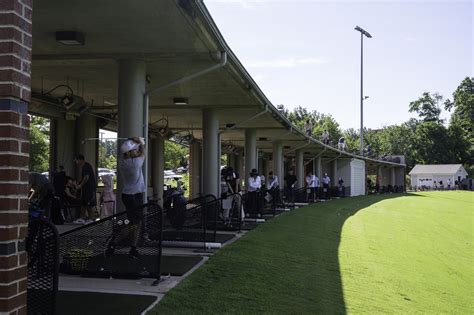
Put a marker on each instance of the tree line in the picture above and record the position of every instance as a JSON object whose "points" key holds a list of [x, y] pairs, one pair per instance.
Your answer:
{"points": [[427, 139]]}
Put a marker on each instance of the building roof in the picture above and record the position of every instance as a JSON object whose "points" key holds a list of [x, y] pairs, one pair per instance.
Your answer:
{"points": [[447, 169]]}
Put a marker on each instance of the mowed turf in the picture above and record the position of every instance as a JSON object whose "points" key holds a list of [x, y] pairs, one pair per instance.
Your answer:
{"points": [[398, 253]]}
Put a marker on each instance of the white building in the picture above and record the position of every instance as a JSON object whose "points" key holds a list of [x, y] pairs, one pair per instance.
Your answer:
{"points": [[428, 175]]}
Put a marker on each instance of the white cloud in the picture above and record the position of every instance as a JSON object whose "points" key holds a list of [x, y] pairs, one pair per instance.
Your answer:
{"points": [[285, 63]]}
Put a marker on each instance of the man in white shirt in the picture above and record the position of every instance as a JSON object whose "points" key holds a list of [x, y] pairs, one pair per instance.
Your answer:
{"points": [[312, 184], [273, 187], [254, 185], [326, 182], [130, 167]]}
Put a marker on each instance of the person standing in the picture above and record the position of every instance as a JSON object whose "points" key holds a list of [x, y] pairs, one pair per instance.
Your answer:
{"points": [[88, 187], [130, 167], [308, 127], [108, 197], [312, 183], [290, 182], [325, 137], [273, 187], [255, 184], [341, 188], [341, 145], [326, 182]]}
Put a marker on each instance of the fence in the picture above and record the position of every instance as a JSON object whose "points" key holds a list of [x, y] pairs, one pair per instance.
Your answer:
{"points": [[126, 244], [187, 222], [43, 267]]}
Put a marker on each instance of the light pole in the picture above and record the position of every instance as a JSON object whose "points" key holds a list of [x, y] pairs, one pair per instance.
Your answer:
{"points": [[362, 33]]}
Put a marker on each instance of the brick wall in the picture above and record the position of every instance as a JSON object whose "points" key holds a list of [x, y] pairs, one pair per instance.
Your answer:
{"points": [[15, 87]]}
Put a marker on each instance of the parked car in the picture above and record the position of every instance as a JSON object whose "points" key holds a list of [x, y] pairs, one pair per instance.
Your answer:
{"points": [[105, 171]]}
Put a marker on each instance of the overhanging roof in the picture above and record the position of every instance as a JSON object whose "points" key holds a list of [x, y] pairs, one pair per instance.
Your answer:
{"points": [[175, 38], [440, 169]]}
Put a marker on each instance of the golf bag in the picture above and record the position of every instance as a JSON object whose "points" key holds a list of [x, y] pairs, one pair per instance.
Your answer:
{"points": [[175, 205]]}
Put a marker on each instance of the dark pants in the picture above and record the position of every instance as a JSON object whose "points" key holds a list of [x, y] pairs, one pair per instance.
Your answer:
{"points": [[290, 195], [326, 191], [311, 194], [253, 202], [133, 202], [275, 193], [131, 232]]}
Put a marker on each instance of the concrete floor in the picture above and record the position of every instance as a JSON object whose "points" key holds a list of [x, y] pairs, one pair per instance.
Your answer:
{"points": [[144, 286]]}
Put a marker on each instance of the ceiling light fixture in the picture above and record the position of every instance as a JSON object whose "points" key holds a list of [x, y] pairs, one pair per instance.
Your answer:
{"points": [[180, 101], [70, 38]]}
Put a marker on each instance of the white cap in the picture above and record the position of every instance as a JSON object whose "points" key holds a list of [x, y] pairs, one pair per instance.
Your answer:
{"points": [[129, 145]]}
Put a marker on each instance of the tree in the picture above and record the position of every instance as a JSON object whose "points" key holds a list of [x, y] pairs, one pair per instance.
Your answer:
{"points": [[352, 140], [427, 107], [431, 144], [108, 154], [321, 122], [175, 155], [39, 144], [463, 104]]}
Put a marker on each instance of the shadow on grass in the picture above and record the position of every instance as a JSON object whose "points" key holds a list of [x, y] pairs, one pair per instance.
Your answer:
{"points": [[288, 265]]}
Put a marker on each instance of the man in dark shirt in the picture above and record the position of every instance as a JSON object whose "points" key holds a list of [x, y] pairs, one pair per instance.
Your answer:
{"points": [[88, 188], [290, 182]]}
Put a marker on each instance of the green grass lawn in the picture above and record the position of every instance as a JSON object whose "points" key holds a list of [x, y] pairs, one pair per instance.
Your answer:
{"points": [[400, 253]]}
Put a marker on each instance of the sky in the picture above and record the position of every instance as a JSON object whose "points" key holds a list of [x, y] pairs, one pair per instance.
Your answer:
{"points": [[307, 53]]}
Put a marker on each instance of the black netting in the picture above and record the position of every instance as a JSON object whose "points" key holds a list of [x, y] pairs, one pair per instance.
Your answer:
{"points": [[127, 244], [42, 249], [300, 195], [254, 203], [191, 221]]}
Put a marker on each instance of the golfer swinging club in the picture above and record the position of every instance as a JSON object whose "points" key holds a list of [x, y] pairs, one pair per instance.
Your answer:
{"points": [[130, 166]]}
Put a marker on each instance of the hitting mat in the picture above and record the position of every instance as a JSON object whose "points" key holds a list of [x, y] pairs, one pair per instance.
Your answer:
{"points": [[93, 303], [190, 236], [124, 266]]}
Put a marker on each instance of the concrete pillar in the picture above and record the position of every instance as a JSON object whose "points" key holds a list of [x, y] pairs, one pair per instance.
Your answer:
{"points": [[239, 166], [86, 127], [65, 148], [15, 82], [278, 160], [250, 150], [334, 176], [379, 176], [299, 161], [210, 147], [319, 168], [195, 169], [392, 176], [260, 163], [231, 160], [131, 88], [158, 167], [265, 168]]}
